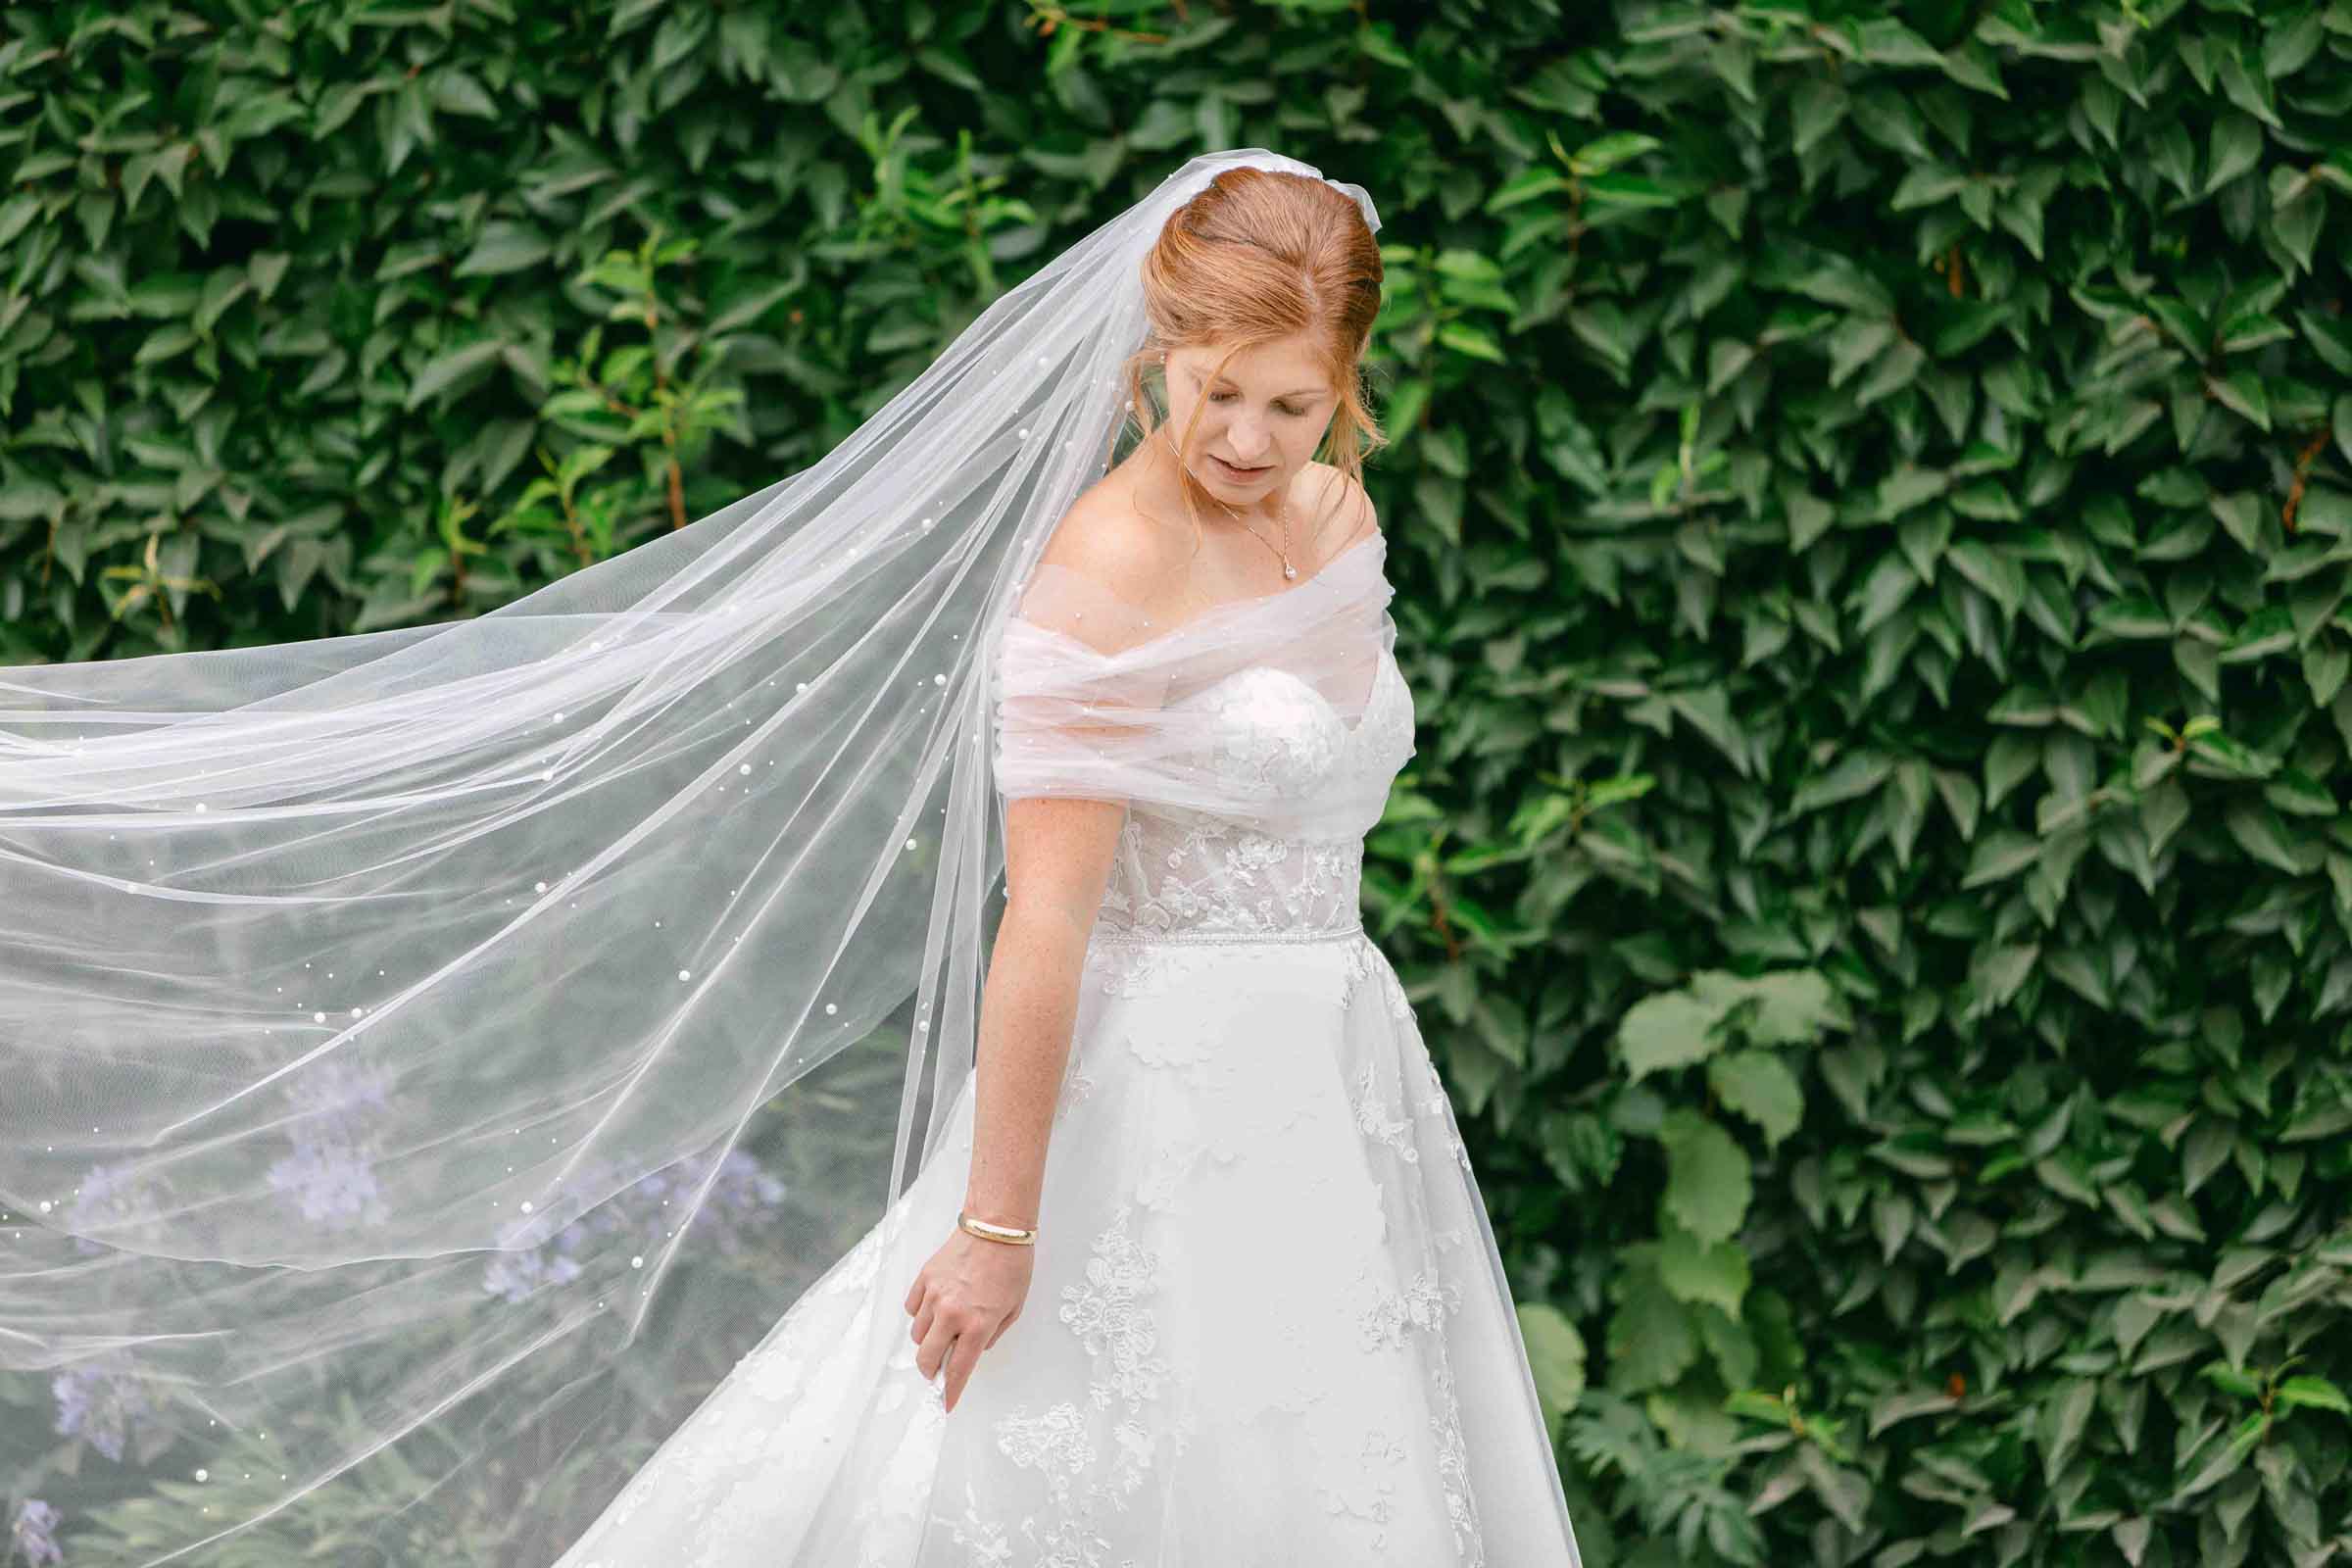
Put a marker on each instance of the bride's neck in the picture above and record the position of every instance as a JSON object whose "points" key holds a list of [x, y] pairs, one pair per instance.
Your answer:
{"points": [[1159, 484]]}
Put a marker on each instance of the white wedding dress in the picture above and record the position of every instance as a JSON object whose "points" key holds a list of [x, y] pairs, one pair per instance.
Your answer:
{"points": [[1269, 1323]]}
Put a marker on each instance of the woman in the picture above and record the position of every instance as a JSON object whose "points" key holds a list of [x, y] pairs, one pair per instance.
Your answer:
{"points": [[1270, 1320]]}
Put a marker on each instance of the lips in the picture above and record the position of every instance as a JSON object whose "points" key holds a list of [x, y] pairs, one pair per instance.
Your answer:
{"points": [[1235, 471]]}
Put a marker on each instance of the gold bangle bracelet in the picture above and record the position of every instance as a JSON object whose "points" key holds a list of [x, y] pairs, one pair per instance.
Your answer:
{"points": [[1008, 1234]]}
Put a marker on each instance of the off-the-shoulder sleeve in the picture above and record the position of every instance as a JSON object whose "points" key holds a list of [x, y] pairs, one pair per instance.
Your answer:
{"points": [[1077, 692], [1244, 709]]}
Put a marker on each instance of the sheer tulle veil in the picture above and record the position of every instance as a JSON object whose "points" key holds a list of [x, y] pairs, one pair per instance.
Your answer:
{"points": [[435, 1054]]}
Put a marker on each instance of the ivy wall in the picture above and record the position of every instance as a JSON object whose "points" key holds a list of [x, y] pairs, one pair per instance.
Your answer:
{"points": [[1870, 510]]}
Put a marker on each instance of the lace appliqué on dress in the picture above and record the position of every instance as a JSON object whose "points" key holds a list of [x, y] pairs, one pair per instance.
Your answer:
{"points": [[1281, 736], [1365, 961], [1206, 874], [1209, 876], [1055, 1443], [1422, 1303], [1434, 1106], [1110, 1316], [1076, 1083], [1454, 1470], [1107, 1316], [1373, 1120], [1370, 1494], [1129, 969]]}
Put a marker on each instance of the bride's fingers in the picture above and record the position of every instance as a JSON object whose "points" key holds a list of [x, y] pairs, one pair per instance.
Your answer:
{"points": [[933, 1351], [960, 1362], [922, 1323], [914, 1295]]}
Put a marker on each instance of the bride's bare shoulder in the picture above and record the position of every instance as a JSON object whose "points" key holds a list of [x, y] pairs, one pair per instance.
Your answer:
{"points": [[1104, 539], [1340, 512]]}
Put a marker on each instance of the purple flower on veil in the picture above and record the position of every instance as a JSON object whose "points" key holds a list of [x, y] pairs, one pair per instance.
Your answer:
{"points": [[106, 1194], [34, 1532], [102, 1402], [742, 1187], [330, 1174], [643, 1211], [512, 1276]]}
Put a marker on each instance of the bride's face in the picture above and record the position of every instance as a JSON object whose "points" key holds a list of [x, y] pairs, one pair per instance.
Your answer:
{"points": [[1261, 421]]}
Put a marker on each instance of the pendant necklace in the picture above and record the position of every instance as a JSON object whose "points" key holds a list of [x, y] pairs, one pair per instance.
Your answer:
{"points": [[1284, 554], [1288, 571]]}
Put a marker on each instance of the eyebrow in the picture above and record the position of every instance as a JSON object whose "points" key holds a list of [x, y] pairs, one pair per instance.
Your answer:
{"points": [[1302, 392]]}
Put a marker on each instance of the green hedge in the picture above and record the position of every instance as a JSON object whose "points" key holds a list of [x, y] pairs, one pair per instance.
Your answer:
{"points": [[1871, 509]]}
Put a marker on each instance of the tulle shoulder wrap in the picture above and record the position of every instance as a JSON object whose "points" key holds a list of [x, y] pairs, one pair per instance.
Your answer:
{"points": [[1094, 702]]}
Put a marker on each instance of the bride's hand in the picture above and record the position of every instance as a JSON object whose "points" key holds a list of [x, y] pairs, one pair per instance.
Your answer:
{"points": [[962, 1301]]}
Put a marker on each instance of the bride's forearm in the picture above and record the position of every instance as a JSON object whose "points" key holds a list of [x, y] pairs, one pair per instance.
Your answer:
{"points": [[1028, 1010]]}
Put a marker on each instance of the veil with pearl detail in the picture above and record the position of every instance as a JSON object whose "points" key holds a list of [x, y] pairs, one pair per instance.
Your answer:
{"points": [[433, 1054]]}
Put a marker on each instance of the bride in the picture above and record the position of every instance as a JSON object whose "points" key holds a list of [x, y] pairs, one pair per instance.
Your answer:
{"points": [[1270, 1325], [1189, 1265]]}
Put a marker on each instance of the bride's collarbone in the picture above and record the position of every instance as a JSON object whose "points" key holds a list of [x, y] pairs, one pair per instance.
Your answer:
{"points": [[1230, 569], [1192, 573]]}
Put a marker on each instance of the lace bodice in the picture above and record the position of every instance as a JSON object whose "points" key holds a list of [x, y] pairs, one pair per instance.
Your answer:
{"points": [[1192, 874], [1254, 743]]}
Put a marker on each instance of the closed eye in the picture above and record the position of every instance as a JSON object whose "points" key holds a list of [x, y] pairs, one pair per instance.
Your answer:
{"points": [[1278, 407]]}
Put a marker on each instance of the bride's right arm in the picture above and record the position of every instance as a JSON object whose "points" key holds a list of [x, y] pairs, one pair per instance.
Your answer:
{"points": [[1094, 588], [971, 1290], [1058, 862], [1066, 704]]}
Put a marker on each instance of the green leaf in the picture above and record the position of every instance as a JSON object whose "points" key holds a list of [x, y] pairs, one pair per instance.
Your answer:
{"points": [[1844, 1493], [2241, 513], [2063, 1417], [2313, 1394], [1606, 152], [1670, 1030], [2163, 809], [2131, 618], [1477, 342], [505, 247], [2268, 630], [1997, 973], [1816, 107], [2224, 1459], [2231, 1380], [1525, 187], [1653, 1338], [1695, 1271], [1632, 191], [2260, 833], [1904, 1405], [1784, 1008], [1855, 774], [1999, 855], [2236, 148], [452, 367], [2296, 221], [2243, 393], [1884, 41], [1707, 1181], [1556, 1355], [1995, 574], [1758, 1085]]}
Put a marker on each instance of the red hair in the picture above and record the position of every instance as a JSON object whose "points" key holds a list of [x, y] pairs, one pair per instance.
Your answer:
{"points": [[1259, 256]]}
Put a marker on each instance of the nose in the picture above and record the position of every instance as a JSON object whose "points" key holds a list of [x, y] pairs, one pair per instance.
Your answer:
{"points": [[1247, 439]]}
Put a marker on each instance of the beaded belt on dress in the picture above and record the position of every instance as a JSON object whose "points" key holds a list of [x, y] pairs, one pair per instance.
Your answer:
{"points": [[1243, 939]]}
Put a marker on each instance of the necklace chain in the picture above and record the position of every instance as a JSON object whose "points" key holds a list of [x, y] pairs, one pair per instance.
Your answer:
{"points": [[1281, 554]]}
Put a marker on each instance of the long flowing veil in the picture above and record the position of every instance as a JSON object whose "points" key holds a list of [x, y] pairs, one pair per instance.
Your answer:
{"points": [[394, 1134]]}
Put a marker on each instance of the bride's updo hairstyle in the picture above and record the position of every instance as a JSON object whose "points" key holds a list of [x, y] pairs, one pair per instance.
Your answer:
{"points": [[1260, 255]]}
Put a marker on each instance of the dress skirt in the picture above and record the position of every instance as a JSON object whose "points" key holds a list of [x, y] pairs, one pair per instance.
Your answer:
{"points": [[1268, 1325]]}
